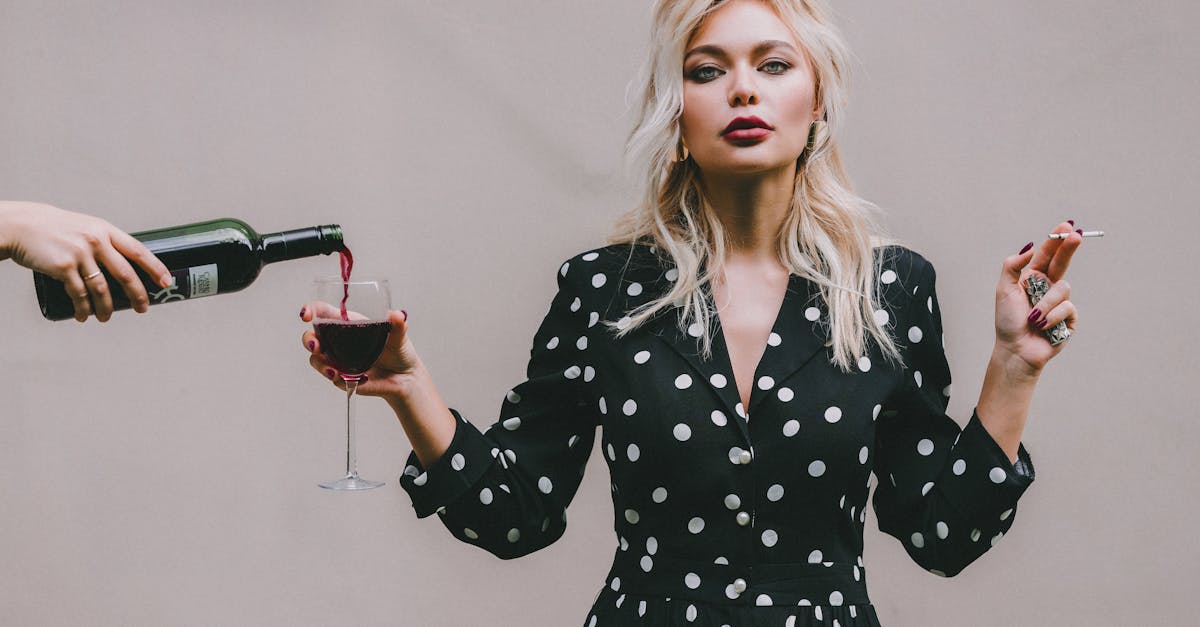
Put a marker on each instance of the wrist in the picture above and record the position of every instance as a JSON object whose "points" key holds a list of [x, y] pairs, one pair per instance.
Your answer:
{"points": [[405, 390], [1012, 366]]}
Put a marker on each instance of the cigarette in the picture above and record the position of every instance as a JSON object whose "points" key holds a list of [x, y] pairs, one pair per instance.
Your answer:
{"points": [[1084, 234]]}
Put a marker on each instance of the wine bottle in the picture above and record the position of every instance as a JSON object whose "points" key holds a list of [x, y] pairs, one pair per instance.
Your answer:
{"points": [[205, 259]]}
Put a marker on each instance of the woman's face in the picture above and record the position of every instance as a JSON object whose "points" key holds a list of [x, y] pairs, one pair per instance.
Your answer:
{"points": [[742, 63]]}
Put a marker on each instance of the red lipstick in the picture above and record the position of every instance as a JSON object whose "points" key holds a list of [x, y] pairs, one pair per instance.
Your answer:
{"points": [[742, 128]]}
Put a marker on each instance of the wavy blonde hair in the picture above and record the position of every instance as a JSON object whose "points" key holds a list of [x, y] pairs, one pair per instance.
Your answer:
{"points": [[830, 233]]}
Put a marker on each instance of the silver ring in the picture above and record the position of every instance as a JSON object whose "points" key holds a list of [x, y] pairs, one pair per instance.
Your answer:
{"points": [[92, 276]]}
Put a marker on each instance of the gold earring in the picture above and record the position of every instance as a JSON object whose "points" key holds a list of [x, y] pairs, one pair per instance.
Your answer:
{"points": [[681, 152]]}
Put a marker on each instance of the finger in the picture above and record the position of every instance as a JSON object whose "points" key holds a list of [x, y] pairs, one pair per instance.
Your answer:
{"points": [[1058, 293], [399, 320], [309, 340], [1062, 311], [320, 309], [1045, 252], [79, 295], [139, 254], [119, 269], [97, 287], [323, 367], [1062, 256], [1014, 264]]}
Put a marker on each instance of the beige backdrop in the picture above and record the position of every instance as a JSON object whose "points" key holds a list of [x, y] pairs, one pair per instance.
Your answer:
{"points": [[162, 469]]}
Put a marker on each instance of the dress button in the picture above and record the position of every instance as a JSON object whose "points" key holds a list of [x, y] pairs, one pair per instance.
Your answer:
{"points": [[744, 457], [739, 585], [743, 518]]}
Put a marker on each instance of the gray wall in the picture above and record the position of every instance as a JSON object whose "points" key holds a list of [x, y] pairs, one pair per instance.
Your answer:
{"points": [[162, 469]]}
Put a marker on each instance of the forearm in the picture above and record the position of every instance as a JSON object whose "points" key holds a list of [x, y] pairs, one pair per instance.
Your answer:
{"points": [[7, 228], [426, 419], [1004, 402]]}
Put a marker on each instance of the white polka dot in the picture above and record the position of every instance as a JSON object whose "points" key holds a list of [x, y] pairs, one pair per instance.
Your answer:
{"points": [[975, 535], [485, 496], [719, 418], [815, 557], [769, 538], [513, 397], [774, 340], [647, 564], [682, 432], [862, 455], [864, 363], [875, 412], [598, 280], [997, 475], [732, 502], [545, 485], [563, 269], [421, 479], [634, 289], [1006, 514], [835, 598], [741, 411], [785, 394], [996, 538], [696, 525], [615, 584], [576, 304], [926, 488], [612, 453], [960, 466], [412, 471], [762, 600], [833, 414], [937, 572], [691, 613], [817, 612], [683, 381], [816, 468], [593, 318], [512, 424], [470, 533], [581, 343], [589, 373], [914, 334], [651, 545], [620, 600], [929, 304], [695, 329], [672, 274], [458, 462], [633, 452], [943, 530], [946, 391], [775, 492], [573, 372], [717, 380], [721, 560], [552, 344], [642, 357], [629, 407], [765, 383], [692, 580], [730, 592], [603, 406], [572, 440], [659, 495], [812, 313], [791, 427], [925, 447], [918, 540], [917, 377], [632, 516], [882, 317], [514, 535], [888, 277], [641, 609], [590, 256]]}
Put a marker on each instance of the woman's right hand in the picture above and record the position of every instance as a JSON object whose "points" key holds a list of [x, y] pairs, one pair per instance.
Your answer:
{"points": [[392, 375]]}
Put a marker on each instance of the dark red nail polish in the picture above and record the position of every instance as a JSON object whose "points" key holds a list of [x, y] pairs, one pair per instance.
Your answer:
{"points": [[1026, 248], [405, 314], [1042, 323], [329, 373], [1034, 315], [1079, 231], [302, 311], [362, 378], [311, 345]]}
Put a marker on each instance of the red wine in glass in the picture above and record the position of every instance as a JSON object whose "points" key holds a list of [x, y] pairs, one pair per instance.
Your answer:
{"points": [[352, 345]]}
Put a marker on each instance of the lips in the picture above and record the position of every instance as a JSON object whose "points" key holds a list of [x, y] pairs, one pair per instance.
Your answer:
{"points": [[744, 123]]}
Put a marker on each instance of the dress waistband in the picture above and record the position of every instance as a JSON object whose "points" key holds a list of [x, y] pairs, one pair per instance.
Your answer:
{"points": [[826, 583]]}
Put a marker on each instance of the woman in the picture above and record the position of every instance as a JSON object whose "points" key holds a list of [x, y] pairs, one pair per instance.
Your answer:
{"points": [[71, 247], [804, 354]]}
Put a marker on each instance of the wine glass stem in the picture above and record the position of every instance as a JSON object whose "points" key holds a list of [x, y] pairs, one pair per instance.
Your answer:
{"points": [[351, 446]]}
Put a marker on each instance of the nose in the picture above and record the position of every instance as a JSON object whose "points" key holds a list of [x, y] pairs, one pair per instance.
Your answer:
{"points": [[743, 89]]}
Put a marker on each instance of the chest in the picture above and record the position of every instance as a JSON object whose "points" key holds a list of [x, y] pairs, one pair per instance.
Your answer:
{"points": [[748, 311]]}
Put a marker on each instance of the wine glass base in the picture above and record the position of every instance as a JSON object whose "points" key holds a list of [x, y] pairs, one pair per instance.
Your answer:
{"points": [[351, 483]]}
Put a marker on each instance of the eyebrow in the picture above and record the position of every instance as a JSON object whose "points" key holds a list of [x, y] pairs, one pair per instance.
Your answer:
{"points": [[717, 51]]}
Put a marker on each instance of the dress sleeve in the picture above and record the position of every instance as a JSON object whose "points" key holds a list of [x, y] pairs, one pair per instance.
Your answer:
{"points": [[506, 490], [947, 494]]}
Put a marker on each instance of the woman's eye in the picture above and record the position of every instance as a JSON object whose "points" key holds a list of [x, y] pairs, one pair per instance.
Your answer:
{"points": [[775, 67], [705, 73]]}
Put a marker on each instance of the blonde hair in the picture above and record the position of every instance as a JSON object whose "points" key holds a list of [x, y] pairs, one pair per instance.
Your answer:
{"points": [[830, 233]]}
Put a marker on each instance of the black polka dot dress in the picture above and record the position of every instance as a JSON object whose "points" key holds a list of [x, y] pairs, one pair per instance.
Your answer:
{"points": [[724, 514]]}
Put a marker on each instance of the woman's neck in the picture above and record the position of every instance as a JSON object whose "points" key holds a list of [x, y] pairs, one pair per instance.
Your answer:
{"points": [[752, 210]]}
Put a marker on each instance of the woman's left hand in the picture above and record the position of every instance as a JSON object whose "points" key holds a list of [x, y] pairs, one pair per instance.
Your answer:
{"points": [[1019, 330]]}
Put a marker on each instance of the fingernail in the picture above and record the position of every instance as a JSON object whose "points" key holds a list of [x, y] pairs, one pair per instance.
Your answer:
{"points": [[1071, 222], [1034, 315], [311, 345], [362, 378], [405, 314], [1079, 231], [1026, 248], [329, 373], [1042, 323], [303, 310]]}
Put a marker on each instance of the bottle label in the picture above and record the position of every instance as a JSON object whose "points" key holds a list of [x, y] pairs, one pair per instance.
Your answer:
{"points": [[193, 282]]}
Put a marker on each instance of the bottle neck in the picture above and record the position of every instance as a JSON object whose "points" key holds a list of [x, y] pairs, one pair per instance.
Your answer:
{"points": [[315, 240]]}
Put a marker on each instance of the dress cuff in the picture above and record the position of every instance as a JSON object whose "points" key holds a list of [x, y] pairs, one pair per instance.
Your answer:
{"points": [[980, 480], [462, 465]]}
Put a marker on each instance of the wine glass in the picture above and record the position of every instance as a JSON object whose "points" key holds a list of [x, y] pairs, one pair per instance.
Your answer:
{"points": [[351, 324]]}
